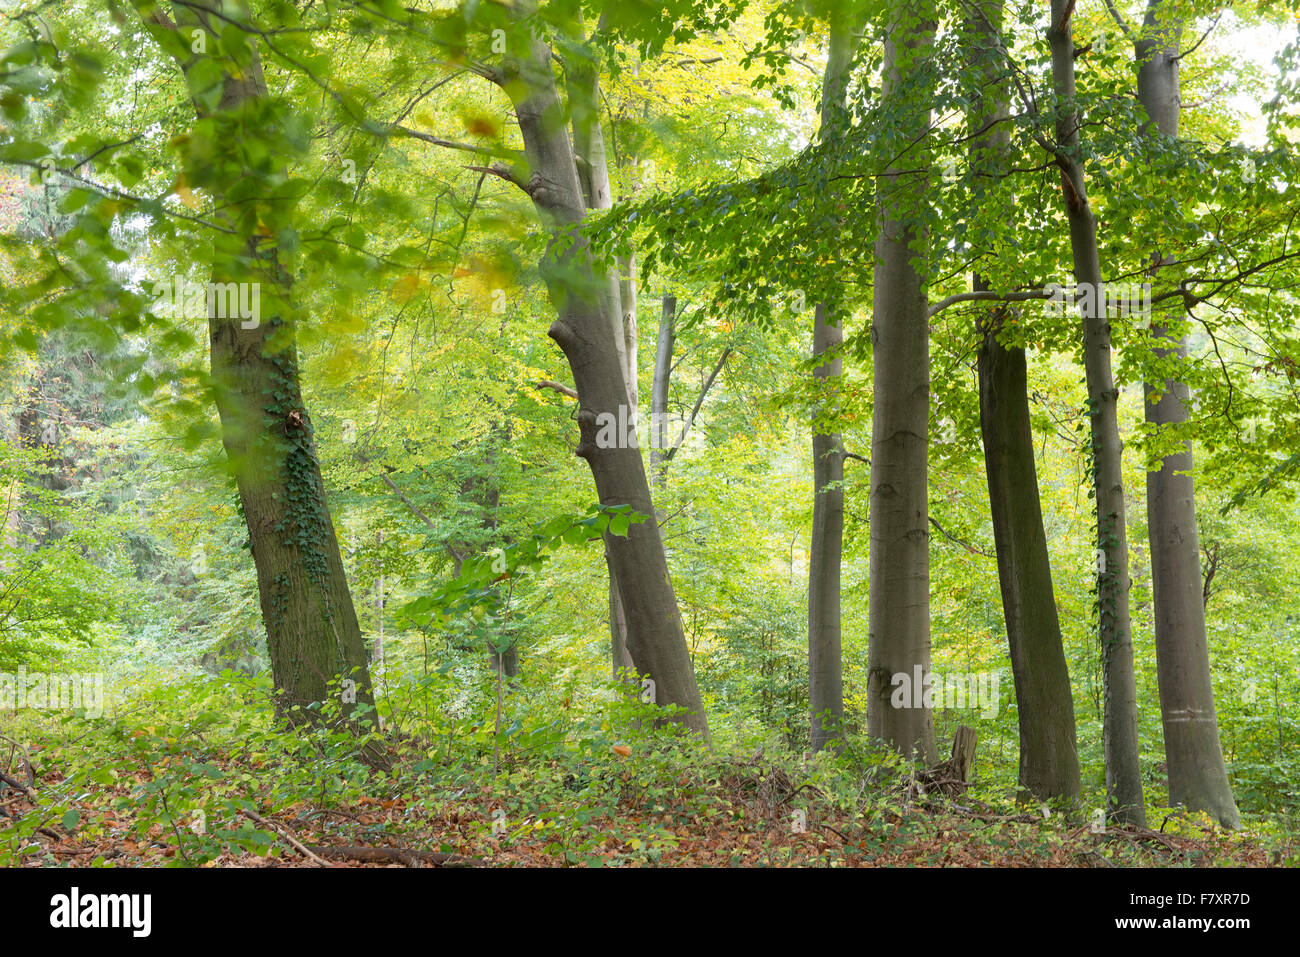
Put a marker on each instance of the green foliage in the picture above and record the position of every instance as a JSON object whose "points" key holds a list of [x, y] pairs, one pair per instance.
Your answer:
{"points": [[409, 302]]}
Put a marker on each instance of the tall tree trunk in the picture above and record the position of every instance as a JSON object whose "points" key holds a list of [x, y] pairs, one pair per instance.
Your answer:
{"points": [[665, 342], [312, 631], [378, 656], [899, 619], [13, 504], [620, 659], [1198, 778], [659, 437], [591, 338], [825, 675], [825, 670], [1119, 722], [583, 87], [1049, 760]]}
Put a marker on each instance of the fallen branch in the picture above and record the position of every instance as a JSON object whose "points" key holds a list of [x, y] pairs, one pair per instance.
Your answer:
{"points": [[18, 785], [406, 855], [14, 746], [827, 827], [297, 844], [45, 831]]}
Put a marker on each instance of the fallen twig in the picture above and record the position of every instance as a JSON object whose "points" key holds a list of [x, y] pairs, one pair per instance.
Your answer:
{"points": [[406, 855], [284, 833], [18, 785]]}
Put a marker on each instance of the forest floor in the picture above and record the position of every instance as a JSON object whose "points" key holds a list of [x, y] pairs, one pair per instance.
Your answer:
{"points": [[746, 812], [200, 773]]}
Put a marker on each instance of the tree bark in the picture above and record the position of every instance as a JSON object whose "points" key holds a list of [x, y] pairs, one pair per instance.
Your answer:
{"points": [[1049, 760], [583, 88], [313, 635], [1119, 722], [825, 669], [591, 338], [1198, 778], [899, 618], [825, 674], [665, 342]]}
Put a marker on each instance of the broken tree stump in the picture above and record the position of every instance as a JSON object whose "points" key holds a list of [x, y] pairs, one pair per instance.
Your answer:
{"points": [[962, 761], [952, 777]]}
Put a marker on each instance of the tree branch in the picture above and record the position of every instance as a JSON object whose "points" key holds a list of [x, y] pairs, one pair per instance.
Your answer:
{"points": [[953, 538], [1119, 18], [987, 296], [558, 387], [704, 391], [415, 509], [452, 144]]}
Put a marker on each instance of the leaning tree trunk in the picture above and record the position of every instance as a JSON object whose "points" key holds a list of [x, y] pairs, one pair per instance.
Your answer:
{"points": [[311, 626], [591, 338], [825, 670], [583, 87], [1198, 778], [1119, 723], [899, 618], [1049, 760]]}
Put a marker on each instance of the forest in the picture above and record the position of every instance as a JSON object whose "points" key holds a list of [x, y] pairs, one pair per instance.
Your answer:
{"points": [[600, 433]]}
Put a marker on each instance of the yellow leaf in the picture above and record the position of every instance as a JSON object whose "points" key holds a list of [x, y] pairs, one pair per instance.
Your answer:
{"points": [[405, 287], [182, 189]]}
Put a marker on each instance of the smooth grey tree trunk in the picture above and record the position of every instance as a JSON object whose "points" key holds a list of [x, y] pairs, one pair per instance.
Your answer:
{"points": [[665, 342], [1049, 760], [583, 87], [592, 341], [899, 617], [1198, 778], [825, 669], [1119, 721], [825, 681]]}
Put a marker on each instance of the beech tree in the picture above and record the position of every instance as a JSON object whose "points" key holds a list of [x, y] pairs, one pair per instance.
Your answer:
{"points": [[1119, 732], [825, 669], [311, 625], [1049, 762], [900, 561], [1197, 776], [418, 191], [590, 331]]}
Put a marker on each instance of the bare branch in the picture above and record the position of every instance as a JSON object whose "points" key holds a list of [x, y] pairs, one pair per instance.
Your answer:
{"points": [[953, 538], [558, 387], [1204, 36], [1119, 18], [704, 391], [452, 144], [987, 296]]}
